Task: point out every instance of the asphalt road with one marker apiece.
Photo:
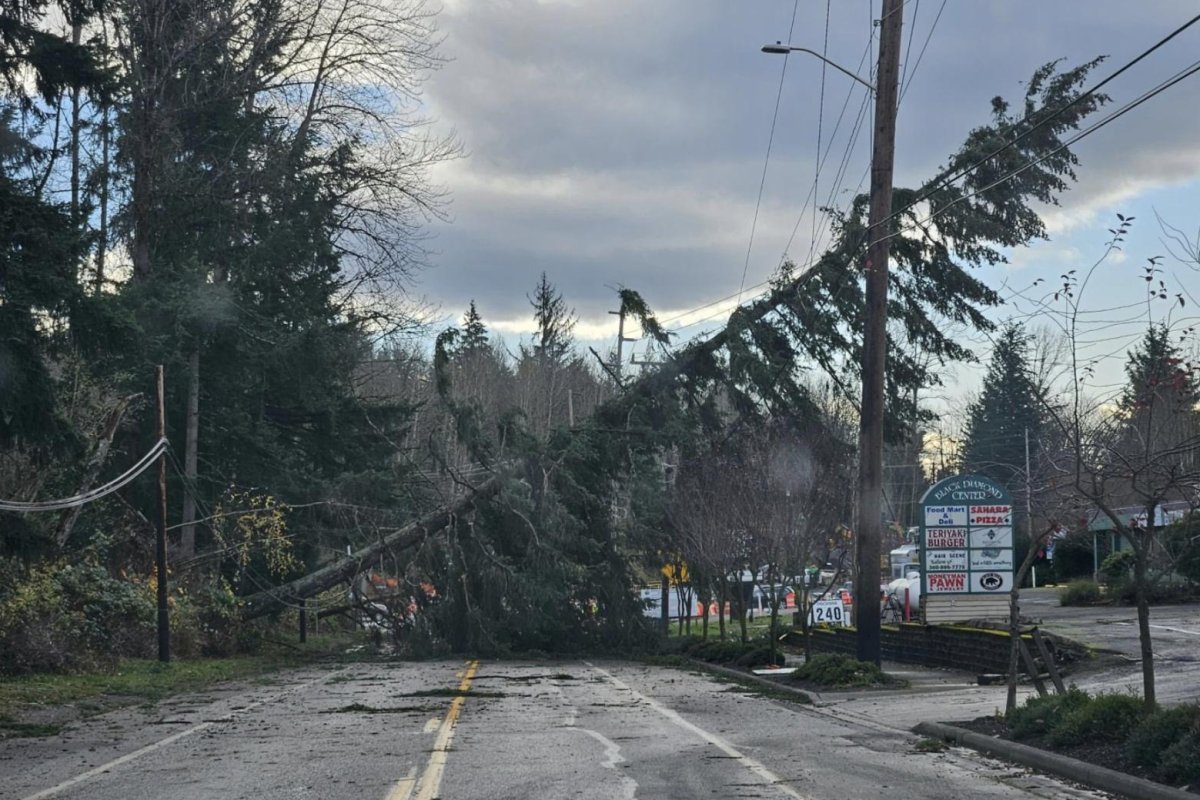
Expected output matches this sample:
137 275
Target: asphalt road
395 731
1112 630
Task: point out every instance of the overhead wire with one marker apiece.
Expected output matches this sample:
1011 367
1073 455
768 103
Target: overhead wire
767 160
91 495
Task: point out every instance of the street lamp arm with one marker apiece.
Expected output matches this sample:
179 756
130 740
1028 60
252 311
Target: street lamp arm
785 49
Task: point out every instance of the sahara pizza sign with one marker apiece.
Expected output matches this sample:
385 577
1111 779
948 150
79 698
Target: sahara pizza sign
966 537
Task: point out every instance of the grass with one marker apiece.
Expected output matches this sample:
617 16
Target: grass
10 728
932 746
142 680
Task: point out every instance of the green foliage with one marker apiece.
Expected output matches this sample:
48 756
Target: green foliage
1008 408
1117 566
62 616
841 672
1151 739
1160 588
1080 593
1180 763
1038 715
1104 718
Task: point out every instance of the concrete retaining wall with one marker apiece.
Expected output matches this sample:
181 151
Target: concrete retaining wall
953 646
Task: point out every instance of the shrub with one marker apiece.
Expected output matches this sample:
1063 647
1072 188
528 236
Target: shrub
836 670
1080 593
1156 733
1117 566
58 617
1180 763
1038 715
1161 588
1105 718
759 656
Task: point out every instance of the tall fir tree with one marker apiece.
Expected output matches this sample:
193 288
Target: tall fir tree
474 332
552 342
1009 406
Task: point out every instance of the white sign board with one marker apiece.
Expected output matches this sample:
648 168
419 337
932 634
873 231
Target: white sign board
988 559
946 560
991 537
991 582
945 582
829 611
945 539
945 515
991 515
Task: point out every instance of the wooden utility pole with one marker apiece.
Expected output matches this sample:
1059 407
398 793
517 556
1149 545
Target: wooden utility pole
160 550
869 535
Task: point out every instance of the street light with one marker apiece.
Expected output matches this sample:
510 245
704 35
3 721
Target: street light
783 49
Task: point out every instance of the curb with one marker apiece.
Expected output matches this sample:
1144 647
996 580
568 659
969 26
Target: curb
1080 771
746 676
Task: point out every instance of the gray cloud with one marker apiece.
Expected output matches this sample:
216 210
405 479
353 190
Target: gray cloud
622 142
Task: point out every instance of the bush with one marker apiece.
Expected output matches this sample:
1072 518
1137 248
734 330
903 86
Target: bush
835 670
1038 715
1161 588
759 656
1156 733
59 617
1105 718
1180 762
1117 566
1080 593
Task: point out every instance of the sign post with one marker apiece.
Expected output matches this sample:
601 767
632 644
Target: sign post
966 549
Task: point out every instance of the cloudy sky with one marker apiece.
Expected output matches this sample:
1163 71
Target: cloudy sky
622 143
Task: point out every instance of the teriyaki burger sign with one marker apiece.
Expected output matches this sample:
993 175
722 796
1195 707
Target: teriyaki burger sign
966 538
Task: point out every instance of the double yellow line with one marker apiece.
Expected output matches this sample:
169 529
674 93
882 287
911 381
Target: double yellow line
431 779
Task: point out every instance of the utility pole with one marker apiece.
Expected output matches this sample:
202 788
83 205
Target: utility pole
869 535
160 550
621 339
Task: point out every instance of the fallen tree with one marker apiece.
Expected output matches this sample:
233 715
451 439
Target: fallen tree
343 570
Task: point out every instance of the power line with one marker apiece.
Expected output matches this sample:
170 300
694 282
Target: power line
766 161
93 494
954 176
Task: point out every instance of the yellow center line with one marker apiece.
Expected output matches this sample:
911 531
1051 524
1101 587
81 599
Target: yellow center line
431 779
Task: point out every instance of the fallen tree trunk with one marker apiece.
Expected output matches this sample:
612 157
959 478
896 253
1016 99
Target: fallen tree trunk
411 535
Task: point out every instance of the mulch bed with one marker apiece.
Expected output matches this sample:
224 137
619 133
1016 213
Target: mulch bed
1102 754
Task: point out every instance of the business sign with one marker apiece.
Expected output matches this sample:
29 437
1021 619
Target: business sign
966 537
946 538
945 515
991 537
990 559
944 583
946 561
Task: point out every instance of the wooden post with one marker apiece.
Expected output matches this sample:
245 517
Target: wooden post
304 621
160 550
1048 660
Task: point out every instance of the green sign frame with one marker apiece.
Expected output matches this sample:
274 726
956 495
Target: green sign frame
967 545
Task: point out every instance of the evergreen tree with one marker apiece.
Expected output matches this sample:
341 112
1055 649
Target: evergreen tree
1157 377
1009 406
474 332
552 342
